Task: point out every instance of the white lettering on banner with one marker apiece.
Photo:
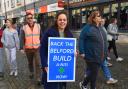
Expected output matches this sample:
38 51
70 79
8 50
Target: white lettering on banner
69 44
62 64
62 58
71 51
61 76
56 43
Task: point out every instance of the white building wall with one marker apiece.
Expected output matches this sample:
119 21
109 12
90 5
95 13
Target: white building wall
12 4
2 6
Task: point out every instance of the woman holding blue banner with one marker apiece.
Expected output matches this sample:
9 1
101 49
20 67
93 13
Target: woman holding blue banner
59 29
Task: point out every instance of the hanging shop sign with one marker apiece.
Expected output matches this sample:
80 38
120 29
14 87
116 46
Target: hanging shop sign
54 7
43 9
60 3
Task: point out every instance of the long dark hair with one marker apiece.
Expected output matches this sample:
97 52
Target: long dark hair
56 25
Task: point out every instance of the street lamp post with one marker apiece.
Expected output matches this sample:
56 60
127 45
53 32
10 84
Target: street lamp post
5 9
25 6
34 2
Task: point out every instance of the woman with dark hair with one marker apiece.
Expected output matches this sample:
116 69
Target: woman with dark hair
113 34
93 48
59 29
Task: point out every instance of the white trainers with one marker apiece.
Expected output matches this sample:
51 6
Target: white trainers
108 58
81 86
16 73
11 73
119 59
112 81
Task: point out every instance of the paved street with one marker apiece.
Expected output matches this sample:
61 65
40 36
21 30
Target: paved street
119 71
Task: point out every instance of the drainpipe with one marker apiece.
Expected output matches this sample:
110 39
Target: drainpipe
25 6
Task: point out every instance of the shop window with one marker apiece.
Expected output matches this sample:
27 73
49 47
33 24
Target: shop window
51 18
124 15
114 10
106 14
84 16
76 19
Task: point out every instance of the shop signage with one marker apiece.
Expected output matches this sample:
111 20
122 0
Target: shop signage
85 1
60 3
36 10
54 7
2 17
43 9
61 59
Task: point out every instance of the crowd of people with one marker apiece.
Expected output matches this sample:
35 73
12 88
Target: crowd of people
95 43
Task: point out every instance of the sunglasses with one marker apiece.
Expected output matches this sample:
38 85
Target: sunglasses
29 18
98 16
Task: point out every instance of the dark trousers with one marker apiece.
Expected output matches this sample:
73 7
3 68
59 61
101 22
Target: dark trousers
34 62
92 75
112 44
52 85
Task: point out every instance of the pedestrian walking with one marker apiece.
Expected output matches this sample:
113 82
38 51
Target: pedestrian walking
1 56
104 64
93 48
112 37
30 43
59 29
10 41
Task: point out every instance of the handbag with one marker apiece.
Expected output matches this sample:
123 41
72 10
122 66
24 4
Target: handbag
109 37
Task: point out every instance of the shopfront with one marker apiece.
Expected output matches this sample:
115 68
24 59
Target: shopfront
109 8
47 15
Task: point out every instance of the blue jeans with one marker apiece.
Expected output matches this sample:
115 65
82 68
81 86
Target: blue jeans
1 60
105 69
11 58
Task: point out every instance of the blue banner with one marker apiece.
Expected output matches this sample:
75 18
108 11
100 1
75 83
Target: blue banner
61 59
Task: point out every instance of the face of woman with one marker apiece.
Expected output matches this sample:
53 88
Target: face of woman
8 23
62 21
115 21
97 19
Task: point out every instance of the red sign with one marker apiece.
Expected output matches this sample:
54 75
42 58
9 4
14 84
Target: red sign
60 3
43 9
